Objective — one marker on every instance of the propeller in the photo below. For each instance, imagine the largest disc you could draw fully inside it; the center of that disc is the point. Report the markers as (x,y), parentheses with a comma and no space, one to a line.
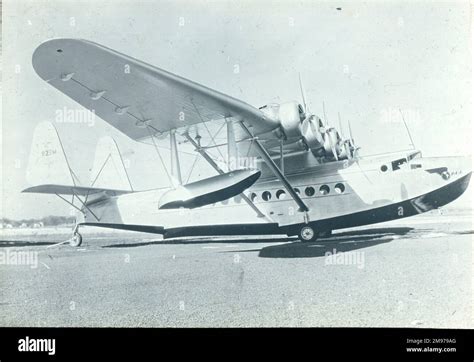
(331,136)
(317,134)
(303,97)
(344,148)
(351,138)
(312,127)
(345,144)
(354,149)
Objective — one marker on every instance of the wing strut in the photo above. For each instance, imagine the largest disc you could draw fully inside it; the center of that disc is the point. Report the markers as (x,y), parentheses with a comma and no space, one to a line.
(282,158)
(175,167)
(220,171)
(271,164)
(232,154)
(74,206)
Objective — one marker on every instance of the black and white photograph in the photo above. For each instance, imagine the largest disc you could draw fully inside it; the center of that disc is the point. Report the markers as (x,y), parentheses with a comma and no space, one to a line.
(237,164)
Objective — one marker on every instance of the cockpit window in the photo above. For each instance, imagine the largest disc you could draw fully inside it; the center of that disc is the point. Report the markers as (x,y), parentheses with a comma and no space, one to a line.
(397,163)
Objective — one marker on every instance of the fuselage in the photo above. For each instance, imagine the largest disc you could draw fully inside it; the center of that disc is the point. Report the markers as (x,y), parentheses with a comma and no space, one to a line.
(338,194)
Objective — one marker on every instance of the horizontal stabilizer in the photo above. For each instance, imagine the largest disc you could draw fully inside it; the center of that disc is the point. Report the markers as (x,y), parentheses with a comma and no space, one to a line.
(210,190)
(131,227)
(73,190)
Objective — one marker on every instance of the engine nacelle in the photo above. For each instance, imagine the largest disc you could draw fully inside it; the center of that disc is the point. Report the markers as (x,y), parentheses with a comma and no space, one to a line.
(289,115)
(308,130)
(311,130)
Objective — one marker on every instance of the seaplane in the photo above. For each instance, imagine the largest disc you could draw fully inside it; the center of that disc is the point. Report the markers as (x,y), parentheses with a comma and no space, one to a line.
(305,178)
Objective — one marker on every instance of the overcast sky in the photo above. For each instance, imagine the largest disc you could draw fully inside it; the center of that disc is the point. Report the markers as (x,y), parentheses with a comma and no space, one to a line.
(365,61)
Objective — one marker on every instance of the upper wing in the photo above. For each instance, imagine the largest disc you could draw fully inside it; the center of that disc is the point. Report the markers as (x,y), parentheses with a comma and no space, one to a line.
(132,96)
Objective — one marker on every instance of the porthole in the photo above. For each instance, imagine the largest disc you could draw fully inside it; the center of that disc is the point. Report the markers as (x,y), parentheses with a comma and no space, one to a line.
(324,190)
(297,190)
(238,199)
(280,194)
(225,202)
(253,196)
(339,188)
(383,168)
(309,191)
(266,196)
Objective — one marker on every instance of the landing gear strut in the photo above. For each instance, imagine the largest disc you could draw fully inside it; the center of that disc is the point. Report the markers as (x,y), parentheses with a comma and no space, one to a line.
(307,234)
(76,239)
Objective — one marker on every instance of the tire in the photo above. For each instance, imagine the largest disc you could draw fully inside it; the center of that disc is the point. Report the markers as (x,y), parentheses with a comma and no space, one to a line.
(76,240)
(307,234)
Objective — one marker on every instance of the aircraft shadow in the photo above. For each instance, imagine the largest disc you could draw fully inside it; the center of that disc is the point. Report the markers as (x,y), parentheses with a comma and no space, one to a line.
(359,235)
(200,241)
(318,248)
(341,242)
(375,231)
(21,243)
(465,232)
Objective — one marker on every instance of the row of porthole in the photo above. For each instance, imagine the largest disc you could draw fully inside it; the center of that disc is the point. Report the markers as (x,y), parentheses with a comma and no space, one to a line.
(309,191)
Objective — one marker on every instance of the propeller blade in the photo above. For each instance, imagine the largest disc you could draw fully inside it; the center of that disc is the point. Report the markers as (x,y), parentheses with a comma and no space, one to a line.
(334,135)
(350,134)
(333,148)
(325,117)
(305,107)
(347,147)
(340,124)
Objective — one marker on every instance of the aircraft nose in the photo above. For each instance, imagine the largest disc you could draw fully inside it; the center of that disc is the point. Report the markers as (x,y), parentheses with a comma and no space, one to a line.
(458,167)
(463,164)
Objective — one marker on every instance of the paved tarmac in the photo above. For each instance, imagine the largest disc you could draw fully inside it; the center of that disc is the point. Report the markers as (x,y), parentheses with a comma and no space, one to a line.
(415,272)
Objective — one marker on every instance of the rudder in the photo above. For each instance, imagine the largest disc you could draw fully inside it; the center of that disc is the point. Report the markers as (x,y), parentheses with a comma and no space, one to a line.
(109,169)
(48,163)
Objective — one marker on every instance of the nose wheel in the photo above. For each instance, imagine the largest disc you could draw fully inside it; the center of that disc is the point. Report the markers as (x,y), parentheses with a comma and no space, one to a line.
(307,234)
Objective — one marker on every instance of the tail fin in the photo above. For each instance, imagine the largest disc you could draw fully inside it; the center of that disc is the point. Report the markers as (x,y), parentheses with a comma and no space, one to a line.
(109,169)
(49,171)
(48,163)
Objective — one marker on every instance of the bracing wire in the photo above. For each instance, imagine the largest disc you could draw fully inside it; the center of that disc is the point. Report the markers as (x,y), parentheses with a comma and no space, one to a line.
(159,155)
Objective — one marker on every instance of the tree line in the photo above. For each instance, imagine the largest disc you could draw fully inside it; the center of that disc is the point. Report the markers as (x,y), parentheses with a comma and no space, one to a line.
(47,221)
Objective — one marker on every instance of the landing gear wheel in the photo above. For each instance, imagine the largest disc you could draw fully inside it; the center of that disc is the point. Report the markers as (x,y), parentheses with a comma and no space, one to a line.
(307,234)
(76,240)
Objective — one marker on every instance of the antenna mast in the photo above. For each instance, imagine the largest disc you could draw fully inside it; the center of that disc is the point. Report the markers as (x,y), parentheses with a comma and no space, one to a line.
(408,130)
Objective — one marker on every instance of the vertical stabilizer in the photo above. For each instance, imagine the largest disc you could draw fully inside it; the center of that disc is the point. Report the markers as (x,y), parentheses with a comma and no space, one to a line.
(48,163)
(109,169)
